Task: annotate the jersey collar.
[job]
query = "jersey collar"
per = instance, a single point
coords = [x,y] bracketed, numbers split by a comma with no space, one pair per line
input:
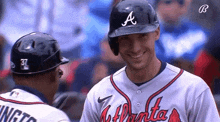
[163,66]
[32,91]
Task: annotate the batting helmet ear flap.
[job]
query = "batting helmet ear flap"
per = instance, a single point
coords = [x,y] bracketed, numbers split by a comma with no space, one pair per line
[113,43]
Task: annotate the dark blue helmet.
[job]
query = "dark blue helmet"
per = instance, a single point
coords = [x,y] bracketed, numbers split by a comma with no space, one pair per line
[131,17]
[35,53]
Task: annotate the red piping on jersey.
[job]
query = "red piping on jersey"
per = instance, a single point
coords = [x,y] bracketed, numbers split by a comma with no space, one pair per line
[162,89]
[151,97]
[122,93]
[19,102]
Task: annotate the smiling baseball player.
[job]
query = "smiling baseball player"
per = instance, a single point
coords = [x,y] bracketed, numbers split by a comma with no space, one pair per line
[35,60]
[146,89]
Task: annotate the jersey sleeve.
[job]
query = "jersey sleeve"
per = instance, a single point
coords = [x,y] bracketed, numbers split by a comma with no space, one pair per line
[58,116]
[89,114]
[204,108]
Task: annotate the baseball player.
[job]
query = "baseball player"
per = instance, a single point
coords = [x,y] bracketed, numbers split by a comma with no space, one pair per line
[146,89]
[35,60]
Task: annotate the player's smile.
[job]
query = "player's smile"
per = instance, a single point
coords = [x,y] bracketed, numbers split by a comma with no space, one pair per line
[137,49]
[136,56]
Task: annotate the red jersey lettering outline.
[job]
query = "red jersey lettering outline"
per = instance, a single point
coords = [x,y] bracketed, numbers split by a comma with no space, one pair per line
[155,115]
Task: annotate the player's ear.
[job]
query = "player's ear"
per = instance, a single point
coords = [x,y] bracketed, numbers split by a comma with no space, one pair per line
[157,33]
[52,75]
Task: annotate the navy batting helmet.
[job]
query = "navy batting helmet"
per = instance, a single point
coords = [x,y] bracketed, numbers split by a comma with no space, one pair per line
[35,53]
[131,17]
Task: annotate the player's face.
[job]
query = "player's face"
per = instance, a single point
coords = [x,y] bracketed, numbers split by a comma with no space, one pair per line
[56,78]
[138,49]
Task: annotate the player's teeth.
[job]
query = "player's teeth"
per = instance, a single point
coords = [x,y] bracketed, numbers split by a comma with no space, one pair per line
[136,56]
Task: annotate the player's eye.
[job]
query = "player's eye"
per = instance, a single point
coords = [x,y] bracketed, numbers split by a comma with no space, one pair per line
[60,73]
[123,38]
[167,1]
[142,35]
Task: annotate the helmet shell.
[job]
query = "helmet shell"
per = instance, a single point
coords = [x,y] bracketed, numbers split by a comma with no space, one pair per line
[35,53]
[131,17]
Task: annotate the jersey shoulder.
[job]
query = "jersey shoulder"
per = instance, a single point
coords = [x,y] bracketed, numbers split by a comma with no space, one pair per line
[188,79]
[185,75]
[49,113]
[57,114]
[37,109]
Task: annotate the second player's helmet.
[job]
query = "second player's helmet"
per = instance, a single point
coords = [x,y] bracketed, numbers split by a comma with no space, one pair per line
[35,53]
[131,17]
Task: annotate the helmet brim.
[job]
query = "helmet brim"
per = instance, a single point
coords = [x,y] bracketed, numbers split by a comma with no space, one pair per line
[64,60]
[133,29]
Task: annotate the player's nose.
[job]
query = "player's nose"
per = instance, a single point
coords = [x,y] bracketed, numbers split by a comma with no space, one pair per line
[135,46]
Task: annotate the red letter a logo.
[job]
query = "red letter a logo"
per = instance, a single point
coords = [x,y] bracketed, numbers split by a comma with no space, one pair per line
[174,116]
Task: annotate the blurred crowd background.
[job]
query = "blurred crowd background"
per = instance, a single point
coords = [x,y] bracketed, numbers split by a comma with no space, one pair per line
[189,39]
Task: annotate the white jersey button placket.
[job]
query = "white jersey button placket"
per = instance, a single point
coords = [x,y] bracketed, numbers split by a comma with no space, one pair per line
[139,91]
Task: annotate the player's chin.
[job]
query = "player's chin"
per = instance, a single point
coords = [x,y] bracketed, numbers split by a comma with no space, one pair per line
[137,65]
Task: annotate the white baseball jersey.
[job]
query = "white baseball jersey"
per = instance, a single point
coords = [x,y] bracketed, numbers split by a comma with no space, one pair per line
[173,95]
[26,105]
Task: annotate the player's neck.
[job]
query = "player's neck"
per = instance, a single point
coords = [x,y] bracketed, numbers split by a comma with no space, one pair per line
[41,86]
[145,74]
